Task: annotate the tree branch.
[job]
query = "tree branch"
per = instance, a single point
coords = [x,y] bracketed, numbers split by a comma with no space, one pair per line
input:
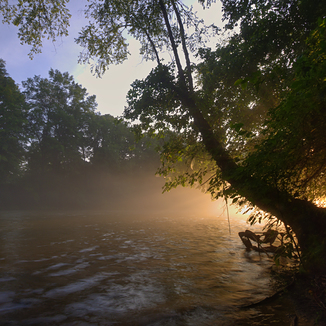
[174,47]
[153,46]
[184,45]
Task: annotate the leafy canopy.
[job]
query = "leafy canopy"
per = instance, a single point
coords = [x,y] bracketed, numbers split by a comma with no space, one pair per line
[292,153]
[37,20]
[105,39]
[60,112]
[13,125]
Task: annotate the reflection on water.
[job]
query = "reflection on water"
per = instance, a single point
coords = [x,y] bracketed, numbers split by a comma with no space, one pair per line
[111,269]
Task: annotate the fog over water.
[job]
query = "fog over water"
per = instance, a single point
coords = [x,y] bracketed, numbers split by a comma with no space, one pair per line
[139,193]
[150,260]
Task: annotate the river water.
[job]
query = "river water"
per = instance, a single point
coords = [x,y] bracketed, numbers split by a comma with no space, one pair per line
[111,268]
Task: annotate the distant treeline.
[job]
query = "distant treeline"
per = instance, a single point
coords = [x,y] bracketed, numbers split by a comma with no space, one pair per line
[57,151]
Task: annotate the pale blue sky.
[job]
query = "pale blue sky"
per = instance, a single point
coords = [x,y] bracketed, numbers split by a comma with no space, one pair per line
[111,89]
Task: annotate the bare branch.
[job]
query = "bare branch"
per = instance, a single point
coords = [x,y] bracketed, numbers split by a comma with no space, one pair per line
[174,47]
[184,45]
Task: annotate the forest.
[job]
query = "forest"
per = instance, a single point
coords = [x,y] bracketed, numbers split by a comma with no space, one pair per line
[246,122]
[58,152]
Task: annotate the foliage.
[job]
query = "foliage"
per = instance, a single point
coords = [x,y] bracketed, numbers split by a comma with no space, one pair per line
[60,112]
[13,120]
[105,38]
[292,154]
[114,147]
[155,103]
[37,20]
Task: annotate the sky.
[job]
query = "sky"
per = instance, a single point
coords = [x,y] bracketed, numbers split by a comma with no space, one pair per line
[112,88]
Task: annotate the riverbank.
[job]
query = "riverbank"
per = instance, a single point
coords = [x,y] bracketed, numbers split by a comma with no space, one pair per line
[303,297]
[308,294]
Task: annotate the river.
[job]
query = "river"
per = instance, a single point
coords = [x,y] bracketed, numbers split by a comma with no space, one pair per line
[115,268]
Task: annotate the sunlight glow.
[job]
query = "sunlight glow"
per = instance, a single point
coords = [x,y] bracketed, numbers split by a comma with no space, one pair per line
[320,202]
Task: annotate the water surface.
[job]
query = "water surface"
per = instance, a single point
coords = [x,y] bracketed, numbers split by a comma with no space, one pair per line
[105,268]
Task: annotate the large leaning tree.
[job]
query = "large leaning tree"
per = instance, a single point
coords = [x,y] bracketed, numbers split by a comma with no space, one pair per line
[248,120]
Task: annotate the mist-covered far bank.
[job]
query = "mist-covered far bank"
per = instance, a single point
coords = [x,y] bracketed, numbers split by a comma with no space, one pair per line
[58,153]
[139,191]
